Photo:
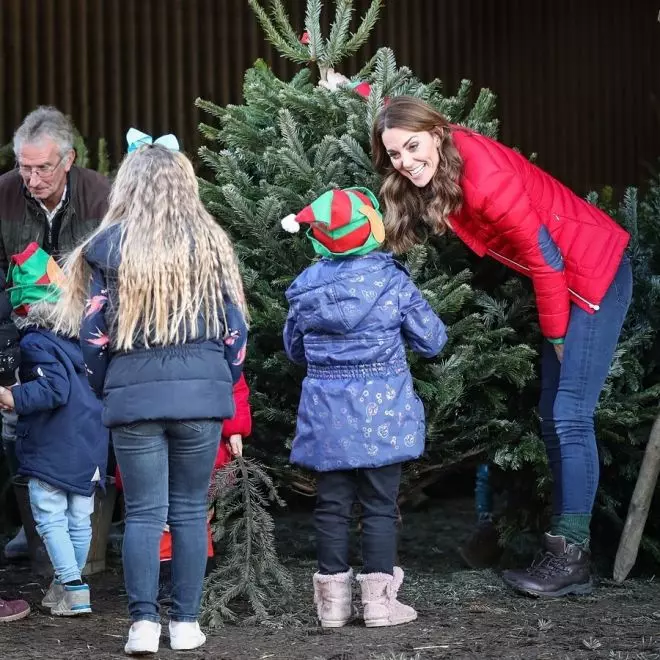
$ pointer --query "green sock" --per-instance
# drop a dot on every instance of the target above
(573, 527)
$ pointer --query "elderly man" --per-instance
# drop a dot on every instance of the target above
(46, 199)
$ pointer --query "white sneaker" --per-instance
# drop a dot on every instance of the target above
(185, 635)
(143, 637)
(54, 594)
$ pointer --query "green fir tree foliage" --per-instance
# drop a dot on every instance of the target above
(250, 572)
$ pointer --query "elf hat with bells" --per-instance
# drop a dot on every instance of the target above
(342, 223)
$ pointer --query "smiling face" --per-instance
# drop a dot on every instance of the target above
(413, 154)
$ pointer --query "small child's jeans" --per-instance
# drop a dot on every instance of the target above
(376, 489)
(64, 523)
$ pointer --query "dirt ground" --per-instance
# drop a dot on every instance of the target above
(462, 613)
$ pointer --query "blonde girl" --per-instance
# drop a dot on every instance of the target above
(163, 335)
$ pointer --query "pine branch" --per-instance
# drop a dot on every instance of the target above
(339, 32)
(359, 38)
(250, 570)
(351, 147)
(283, 22)
(313, 29)
(294, 50)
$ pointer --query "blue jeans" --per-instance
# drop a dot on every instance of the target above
(376, 489)
(64, 523)
(166, 471)
(570, 391)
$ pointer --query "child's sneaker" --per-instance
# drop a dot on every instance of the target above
(143, 637)
(54, 594)
(185, 635)
(74, 601)
(13, 610)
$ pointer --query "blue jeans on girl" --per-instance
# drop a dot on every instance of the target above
(166, 470)
(570, 391)
(64, 523)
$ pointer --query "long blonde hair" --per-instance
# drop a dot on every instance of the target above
(176, 264)
(412, 213)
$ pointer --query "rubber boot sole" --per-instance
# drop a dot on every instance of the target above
(15, 617)
(570, 590)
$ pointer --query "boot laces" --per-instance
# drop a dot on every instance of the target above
(548, 565)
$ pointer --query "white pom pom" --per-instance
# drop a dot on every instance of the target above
(290, 224)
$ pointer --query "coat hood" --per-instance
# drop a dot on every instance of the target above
(335, 295)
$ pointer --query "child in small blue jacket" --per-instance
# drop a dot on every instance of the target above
(351, 315)
(62, 445)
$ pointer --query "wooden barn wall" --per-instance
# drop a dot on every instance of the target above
(576, 80)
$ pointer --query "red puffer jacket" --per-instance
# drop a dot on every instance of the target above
(526, 219)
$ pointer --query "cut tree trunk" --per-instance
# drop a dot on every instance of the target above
(639, 506)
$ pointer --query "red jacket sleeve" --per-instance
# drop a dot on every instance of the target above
(500, 198)
(241, 422)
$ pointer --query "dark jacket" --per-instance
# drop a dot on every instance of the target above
(10, 353)
(22, 220)
(60, 438)
(349, 321)
(176, 382)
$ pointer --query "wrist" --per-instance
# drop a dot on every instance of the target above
(557, 341)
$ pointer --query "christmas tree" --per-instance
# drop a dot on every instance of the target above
(292, 140)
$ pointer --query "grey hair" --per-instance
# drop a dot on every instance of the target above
(45, 122)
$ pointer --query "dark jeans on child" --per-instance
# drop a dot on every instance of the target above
(570, 391)
(166, 469)
(376, 489)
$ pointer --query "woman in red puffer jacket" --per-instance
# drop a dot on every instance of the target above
(441, 177)
(233, 432)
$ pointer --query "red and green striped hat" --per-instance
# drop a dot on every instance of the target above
(33, 276)
(342, 222)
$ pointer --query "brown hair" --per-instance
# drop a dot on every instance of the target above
(412, 213)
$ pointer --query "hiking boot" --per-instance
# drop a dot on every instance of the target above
(143, 637)
(482, 548)
(333, 597)
(562, 569)
(379, 592)
(17, 548)
(13, 610)
(74, 601)
(54, 594)
(185, 635)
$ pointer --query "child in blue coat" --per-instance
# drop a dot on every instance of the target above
(351, 315)
(62, 445)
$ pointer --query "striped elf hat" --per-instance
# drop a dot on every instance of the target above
(33, 276)
(342, 222)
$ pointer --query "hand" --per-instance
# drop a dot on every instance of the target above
(6, 399)
(559, 350)
(236, 445)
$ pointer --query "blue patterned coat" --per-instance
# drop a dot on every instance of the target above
(349, 320)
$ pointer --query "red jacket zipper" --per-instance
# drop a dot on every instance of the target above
(526, 269)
